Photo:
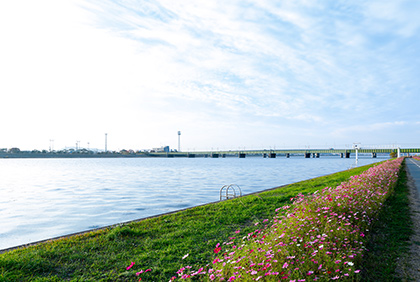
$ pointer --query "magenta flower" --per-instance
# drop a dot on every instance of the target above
(130, 266)
(343, 212)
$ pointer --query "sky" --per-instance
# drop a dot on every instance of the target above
(250, 74)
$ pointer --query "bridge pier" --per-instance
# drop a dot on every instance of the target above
(264, 155)
(347, 155)
(241, 155)
(307, 155)
(287, 155)
(373, 155)
(272, 155)
(341, 155)
(191, 155)
(214, 155)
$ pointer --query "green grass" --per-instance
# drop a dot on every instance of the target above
(389, 239)
(157, 243)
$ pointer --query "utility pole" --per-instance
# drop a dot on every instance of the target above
(179, 141)
(106, 137)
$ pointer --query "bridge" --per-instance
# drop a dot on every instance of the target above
(307, 153)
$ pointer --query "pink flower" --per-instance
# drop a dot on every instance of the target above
(130, 266)
(212, 277)
(285, 265)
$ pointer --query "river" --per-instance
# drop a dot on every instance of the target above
(46, 198)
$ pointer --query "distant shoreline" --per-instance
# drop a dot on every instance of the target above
(70, 155)
(75, 155)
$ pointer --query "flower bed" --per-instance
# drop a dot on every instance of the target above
(317, 237)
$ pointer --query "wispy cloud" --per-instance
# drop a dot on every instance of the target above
(275, 64)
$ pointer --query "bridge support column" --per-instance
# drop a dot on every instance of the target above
(272, 155)
(317, 155)
(398, 153)
(215, 156)
(373, 155)
(307, 155)
(341, 155)
(191, 155)
(287, 155)
(264, 155)
(242, 155)
(347, 155)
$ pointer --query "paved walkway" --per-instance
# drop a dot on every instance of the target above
(410, 265)
(413, 168)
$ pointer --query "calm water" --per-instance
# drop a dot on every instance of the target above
(45, 198)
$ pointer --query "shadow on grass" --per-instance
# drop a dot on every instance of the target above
(390, 235)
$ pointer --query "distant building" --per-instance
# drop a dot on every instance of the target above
(161, 149)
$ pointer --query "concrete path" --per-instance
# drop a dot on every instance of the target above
(409, 266)
(413, 168)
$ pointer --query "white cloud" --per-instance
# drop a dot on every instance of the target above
(400, 17)
(166, 64)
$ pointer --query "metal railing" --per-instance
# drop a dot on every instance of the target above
(230, 191)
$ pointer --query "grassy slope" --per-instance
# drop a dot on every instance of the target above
(157, 243)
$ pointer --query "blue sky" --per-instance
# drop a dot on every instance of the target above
(227, 74)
